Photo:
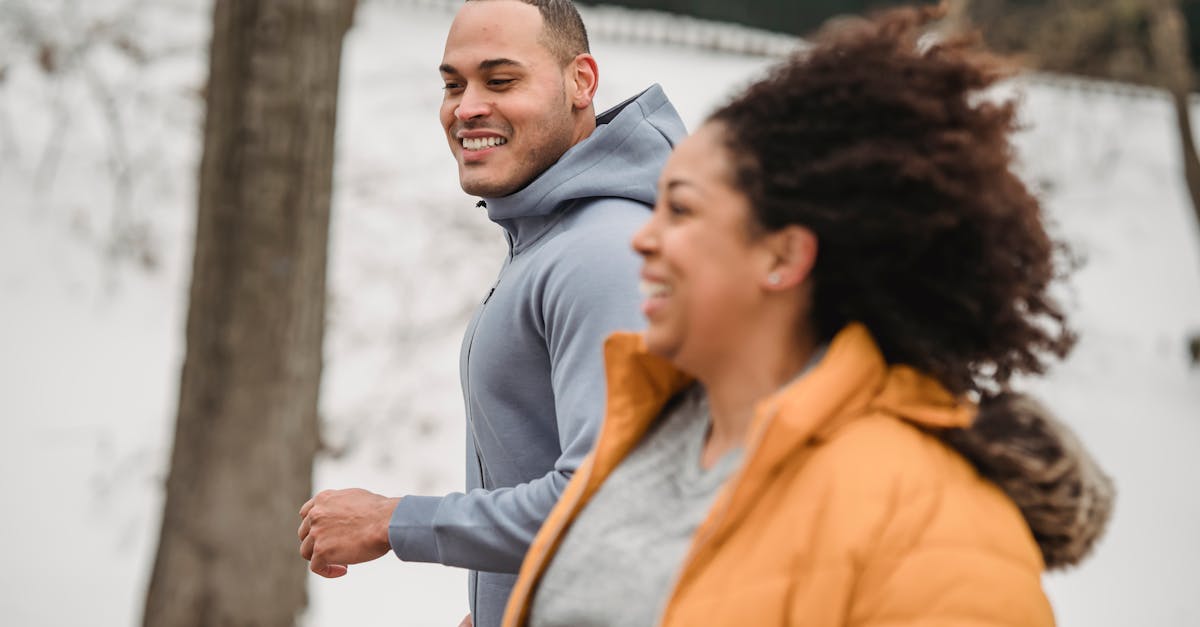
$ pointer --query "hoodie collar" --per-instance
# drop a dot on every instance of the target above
(621, 158)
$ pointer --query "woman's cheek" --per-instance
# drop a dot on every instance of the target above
(710, 308)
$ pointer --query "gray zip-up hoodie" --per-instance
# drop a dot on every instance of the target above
(532, 367)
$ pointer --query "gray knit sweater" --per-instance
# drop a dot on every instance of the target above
(620, 558)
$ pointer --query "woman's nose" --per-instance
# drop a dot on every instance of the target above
(645, 239)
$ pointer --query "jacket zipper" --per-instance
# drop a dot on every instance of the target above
(471, 347)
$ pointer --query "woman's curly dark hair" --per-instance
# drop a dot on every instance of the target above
(879, 142)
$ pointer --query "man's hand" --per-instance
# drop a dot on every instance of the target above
(467, 621)
(343, 527)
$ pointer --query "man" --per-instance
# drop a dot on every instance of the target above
(569, 190)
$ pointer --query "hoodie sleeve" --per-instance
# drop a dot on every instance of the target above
(590, 292)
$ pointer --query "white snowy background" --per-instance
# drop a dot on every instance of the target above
(98, 164)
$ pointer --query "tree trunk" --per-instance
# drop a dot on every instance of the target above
(1169, 38)
(246, 429)
(1191, 163)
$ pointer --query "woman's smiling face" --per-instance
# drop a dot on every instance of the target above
(704, 267)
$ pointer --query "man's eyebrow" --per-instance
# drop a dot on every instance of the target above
(492, 64)
(489, 64)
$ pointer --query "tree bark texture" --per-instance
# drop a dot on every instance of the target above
(246, 429)
(1168, 32)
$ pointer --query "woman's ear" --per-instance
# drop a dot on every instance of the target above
(793, 253)
(584, 77)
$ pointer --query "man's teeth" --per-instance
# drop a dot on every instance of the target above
(479, 143)
(652, 289)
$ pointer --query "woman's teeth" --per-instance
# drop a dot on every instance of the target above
(653, 289)
(479, 143)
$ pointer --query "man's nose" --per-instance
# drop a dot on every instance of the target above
(474, 104)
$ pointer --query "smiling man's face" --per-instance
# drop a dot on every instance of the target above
(507, 110)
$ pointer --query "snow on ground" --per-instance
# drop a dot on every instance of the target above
(91, 340)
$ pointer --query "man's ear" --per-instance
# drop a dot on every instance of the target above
(583, 79)
(793, 253)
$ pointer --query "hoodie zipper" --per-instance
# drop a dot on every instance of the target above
(467, 384)
(470, 349)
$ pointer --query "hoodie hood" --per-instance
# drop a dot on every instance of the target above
(1064, 495)
(622, 158)
(1011, 439)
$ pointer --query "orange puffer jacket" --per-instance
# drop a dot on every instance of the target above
(847, 510)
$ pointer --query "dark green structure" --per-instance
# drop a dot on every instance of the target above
(801, 17)
(795, 17)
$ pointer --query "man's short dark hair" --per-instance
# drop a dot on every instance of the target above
(563, 32)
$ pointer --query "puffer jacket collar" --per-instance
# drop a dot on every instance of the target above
(850, 381)
(1013, 441)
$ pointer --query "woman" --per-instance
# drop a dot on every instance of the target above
(839, 261)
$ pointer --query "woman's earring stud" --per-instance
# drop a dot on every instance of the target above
(774, 278)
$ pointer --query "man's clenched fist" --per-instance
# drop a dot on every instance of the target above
(343, 527)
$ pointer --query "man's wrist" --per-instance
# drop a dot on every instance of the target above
(383, 536)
